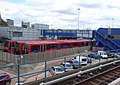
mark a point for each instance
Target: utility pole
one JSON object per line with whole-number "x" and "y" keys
{"x": 78, "y": 16}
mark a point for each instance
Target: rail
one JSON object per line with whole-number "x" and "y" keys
{"x": 102, "y": 78}
{"x": 78, "y": 73}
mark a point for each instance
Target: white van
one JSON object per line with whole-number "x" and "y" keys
{"x": 83, "y": 59}
{"x": 103, "y": 54}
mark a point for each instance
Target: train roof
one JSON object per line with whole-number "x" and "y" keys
{"x": 46, "y": 42}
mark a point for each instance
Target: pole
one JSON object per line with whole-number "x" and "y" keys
{"x": 112, "y": 22}
{"x": 65, "y": 63}
{"x": 78, "y": 16}
{"x": 45, "y": 69}
{"x": 79, "y": 63}
{"x": 18, "y": 73}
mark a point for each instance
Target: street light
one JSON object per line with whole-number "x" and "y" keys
{"x": 112, "y": 22}
{"x": 78, "y": 16}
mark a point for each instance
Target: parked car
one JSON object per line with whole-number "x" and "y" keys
{"x": 75, "y": 64}
{"x": 96, "y": 56}
{"x": 5, "y": 79}
{"x": 82, "y": 59}
{"x": 54, "y": 70}
{"x": 20, "y": 83}
{"x": 67, "y": 66}
{"x": 103, "y": 54}
{"x": 117, "y": 55}
{"x": 113, "y": 54}
{"x": 89, "y": 60}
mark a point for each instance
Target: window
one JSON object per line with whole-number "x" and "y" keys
{"x": 17, "y": 34}
{"x": 2, "y": 77}
{"x": 6, "y": 43}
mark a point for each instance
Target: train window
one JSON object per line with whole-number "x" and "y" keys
{"x": 17, "y": 47}
{"x": 25, "y": 48}
{"x": 82, "y": 44}
{"x": 35, "y": 48}
{"x": 12, "y": 44}
{"x": 6, "y": 43}
{"x": 86, "y": 43}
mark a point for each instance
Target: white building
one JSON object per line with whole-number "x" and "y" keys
{"x": 10, "y": 22}
{"x": 25, "y": 24}
{"x": 40, "y": 26}
{"x": 19, "y": 33}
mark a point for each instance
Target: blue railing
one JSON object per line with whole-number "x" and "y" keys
{"x": 106, "y": 41}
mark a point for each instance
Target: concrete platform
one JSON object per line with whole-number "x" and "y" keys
{"x": 115, "y": 82}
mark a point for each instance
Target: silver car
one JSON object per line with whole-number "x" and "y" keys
{"x": 55, "y": 70}
{"x": 67, "y": 66}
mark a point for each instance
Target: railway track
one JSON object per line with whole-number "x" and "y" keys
{"x": 101, "y": 76}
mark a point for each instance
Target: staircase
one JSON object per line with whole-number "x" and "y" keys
{"x": 108, "y": 43}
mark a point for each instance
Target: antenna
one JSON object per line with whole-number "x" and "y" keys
{"x": 0, "y": 16}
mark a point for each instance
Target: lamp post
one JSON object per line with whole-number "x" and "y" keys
{"x": 78, "y": 16}
{"x": 112, "y": 22}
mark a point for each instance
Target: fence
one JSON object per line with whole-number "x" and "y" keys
{"x": 8, "y": 57}
{"x": 11, "y": 58}
{"x": 53, "y": 54}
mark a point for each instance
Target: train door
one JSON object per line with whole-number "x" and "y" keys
{"x": 43, "y": 48}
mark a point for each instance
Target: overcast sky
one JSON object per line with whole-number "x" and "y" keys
{"x": 63, "y": 14}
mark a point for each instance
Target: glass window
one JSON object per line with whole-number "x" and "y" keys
{"x": 25, "y": 48}
{"x": 12, "y": 44}
{"x": 1, "y": 77}
{"x": 68, "y": 65}
{"x": 6, "y": 43}
{"x": 17, "y": 34}
{"x": 17, "y": 48}
{"x": 59, "y": 69}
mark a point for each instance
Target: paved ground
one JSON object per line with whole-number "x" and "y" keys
{"x": 40, "y": 67}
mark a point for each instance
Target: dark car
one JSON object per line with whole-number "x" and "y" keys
{"x": 111, "y": 53}
{"x": 96, "y": 56}
{"x": 114, "y": 54}
{"x": 75, "y": 64}
{"x": 4, "y": 79}
{"x": 89, "y": 60}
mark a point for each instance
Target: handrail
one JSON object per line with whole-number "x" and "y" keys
{"x": 104, "y": 42}
{"x": 108, "y": 39}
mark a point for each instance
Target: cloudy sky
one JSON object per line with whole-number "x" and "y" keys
{"x": 63, "y": 14}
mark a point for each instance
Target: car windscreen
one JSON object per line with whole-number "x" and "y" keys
{"x": 84, "y": 59}
{"x": 59, "y": 69}
{"x": 2, "y": 77}
{"x": 68, "y": 65}
{"x": 75, "y": 62}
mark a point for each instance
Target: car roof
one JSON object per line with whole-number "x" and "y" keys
{"x": 1, "y": 74}
{"x": 66, "y": 63}
{"x": 57, "y": 66}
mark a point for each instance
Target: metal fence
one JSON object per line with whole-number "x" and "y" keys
{"x": 8, "y": 57}
{"x": 53, "y": 54}
{"x": 11, "y": 58}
